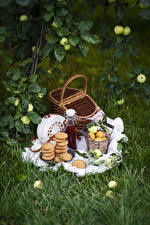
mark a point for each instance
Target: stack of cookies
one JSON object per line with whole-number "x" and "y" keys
{"x": 61, "y": 147}
{"x": 48, "y": 152}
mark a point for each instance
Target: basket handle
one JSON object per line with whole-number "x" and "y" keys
{"x": 68, "y": 81}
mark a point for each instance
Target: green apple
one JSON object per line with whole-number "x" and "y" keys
{"x": 120, "y": 102}
{"x": 30, "y": 107}
{"x": 111, "y": 1}
{"x": 118, "y": 30}
{"x": 67, "y": 47}
{"x": 54, "y": 25}
{"x": 109, "y": 194}
{"x": 38, "y": 184}
{"x": 25, "y": 120}
{"x": 23, "y": 18}
{"x": 33, "y": 48}
{"x": 141, "y": 78}
{"x": 64, "y": 41}
{"x": 112, "y": 184}
{"x": 96, "y": 153}
{"x": 40, "y": 95}
{"x": 126, "y": 31}
{"x": 93, "y": 129}
{"x": 16, "y": 103}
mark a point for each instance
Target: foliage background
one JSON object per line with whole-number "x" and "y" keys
{"x": 111, "y": 64}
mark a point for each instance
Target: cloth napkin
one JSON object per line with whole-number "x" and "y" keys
{"x": 107, "y": 161}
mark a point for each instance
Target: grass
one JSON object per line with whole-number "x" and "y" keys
{"x": 67, "y": 199}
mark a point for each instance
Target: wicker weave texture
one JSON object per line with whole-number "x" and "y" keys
{"x": 101, "y": 145}
{"x": 71, "y": 98}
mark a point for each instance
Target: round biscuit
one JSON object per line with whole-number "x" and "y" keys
{"x": 79, "y": 164}
{"x": 59, "y": 140}
{"x": 47, "y": 146}
{"x": 62, "y": 143}
{"x": 57, "y": 159}
{"x": 48, "y": 157}
{"x": 47, "y": 150}
{"x": 60, "y": 151}
{"x": 48, "y": 154}
{"x": 61, "y": 147}
{"x": 61, "y": 135}
{"x": 66, "y": 156}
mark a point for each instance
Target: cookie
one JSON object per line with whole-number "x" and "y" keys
{"x": 48, "y": 157}
{"x": 49, "y": 154}
{"x": 62, "y": 143}
{"x": 48, "y": 146}
{"x": 59, "y": 140}
{"x": 57, "y": 159}
{"x": 61, "y": 147}
{"x": 66, "y": 157}
{"x": 60, "y": 151}
{"x": 79, "y": 164}
{"x": 45, "y": 151}
{"x": 61, "y": 135}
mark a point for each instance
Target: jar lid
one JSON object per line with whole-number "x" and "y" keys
{"x": 70, "y": 112}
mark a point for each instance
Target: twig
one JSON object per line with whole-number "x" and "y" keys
{"x": 36, "y": 51}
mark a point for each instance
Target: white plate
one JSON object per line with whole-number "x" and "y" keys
{"x": 50, "y": 125}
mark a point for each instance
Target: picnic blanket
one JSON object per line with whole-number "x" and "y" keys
{"x": 100, "y": 165}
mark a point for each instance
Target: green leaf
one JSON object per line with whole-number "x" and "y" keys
{"x": 59, "y": 53}
{"x": 48, "y": 6}
{"x": 113, "y": 79}
{"x": 84, "y": 49}
{"x": 46, "y": 50}
{"x": 145, "y": 14}
{"x": 19, "y": 125}
{"x": 130, "y": 75}
{"x": 10, "y": 100}
{"x": 74, "y": 40}
{"x": 23, "y": 2}
{"x": 5, "y": 120}
{"x": 4, "y": 3}
{"x": 33, "y": 88}
{"x": 34, "y": 117}
{"x": 17, "y": 75}
{"x": 63, "y": 31}
{"x": 119, "y": 147}
{"x": 58, "y": 22}
{"x": 69, "y": 20}
{"x": 90, "y": 38}
{"x": 137, "y": 70}
{"x": 25, "y": 103}
{"x": 108, "y": 64}
{"x": 52, "y": 39}
{"x": 32, "y": 78}
{"x": 26, "y": 129}
{"x": 48, "y": 16}
{"x": 26, "y": 61}
{"x": 85, "y": 26}
{"x": 118, "y": 53}
{"x": 62, "y": 12}
{"x": 21, "y": 177}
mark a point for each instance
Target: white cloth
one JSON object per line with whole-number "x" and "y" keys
{"x": 93, "y": 165}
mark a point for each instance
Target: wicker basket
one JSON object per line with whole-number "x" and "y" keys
{"x": 72, "y": 98}
{"x": 101, "y": 145}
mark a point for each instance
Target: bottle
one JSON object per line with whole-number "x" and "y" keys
{"x": 70, "y": 128}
